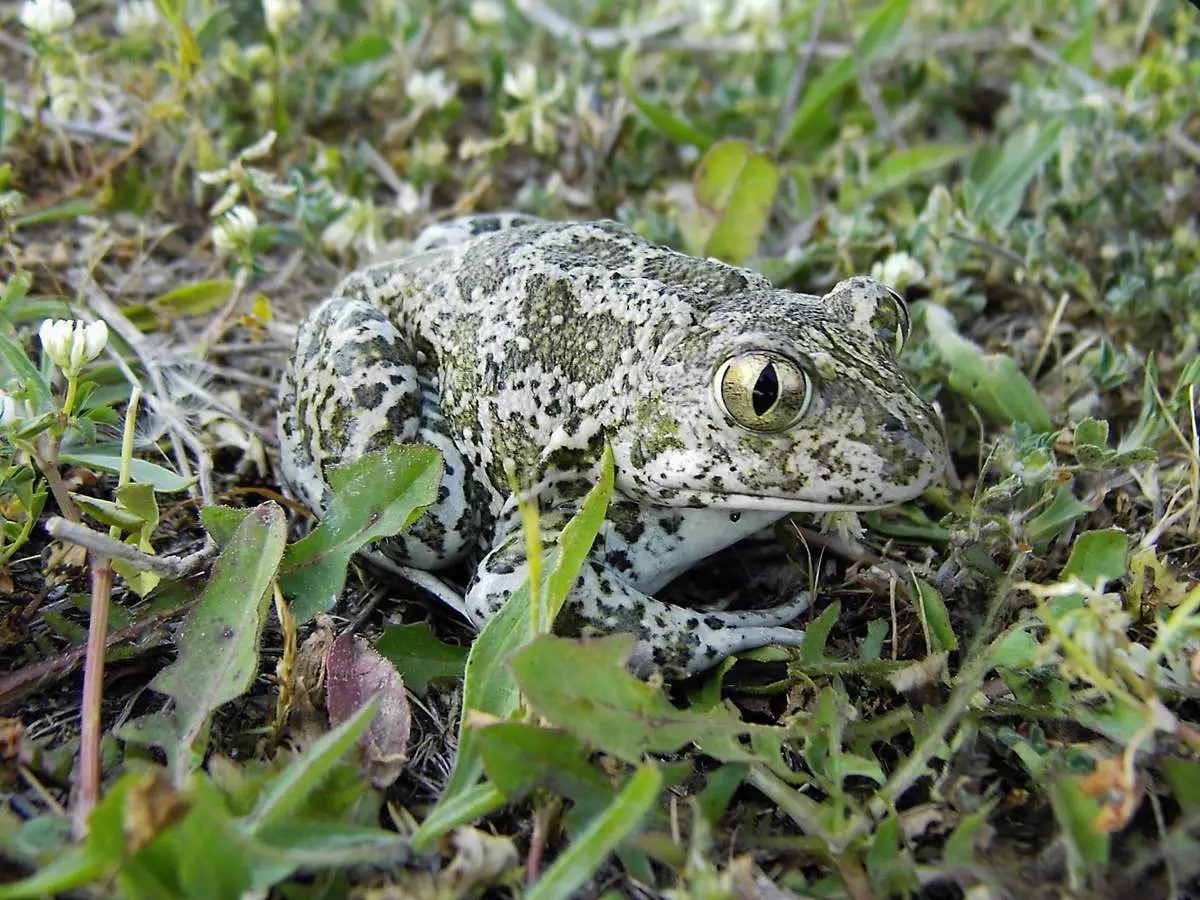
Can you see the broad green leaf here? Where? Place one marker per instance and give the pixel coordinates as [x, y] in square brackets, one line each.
[735, 188]
[218, 646]
[959, 852]
[465, 805]
[589, 850]
[991, 381]
[607, 707]
[1183, 775]
[902, 168]
[107, 458]
[420, 657]
[1097, 556]
[995, 187]
[374, 497]
[882, 29]
[519, 757]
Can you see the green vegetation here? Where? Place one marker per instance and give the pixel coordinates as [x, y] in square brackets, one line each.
[997, 690]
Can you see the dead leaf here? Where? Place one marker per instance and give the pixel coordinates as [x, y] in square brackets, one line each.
[479, 860]
[151, 806]
[355, 672]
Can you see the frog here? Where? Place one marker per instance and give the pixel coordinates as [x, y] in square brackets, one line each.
[521, 348]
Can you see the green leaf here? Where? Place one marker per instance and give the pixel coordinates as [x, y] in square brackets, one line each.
[519, 757]
[900, 169]
[17, 365]
[589, 850]
[16, 287]
[668, 122]
[735, 187]
[880, 31]
[218, 646]
[607, 707]
[812, 651]
[995, 187]
[487, 685]
[1097, 557]
[107, 458]
[420, 657]
[1183, 775]
[376, 496]
[306, 772]
[991, 381]
[67, 209]
[465, 805]
[367, 48]
[934, 616]
[1061, 511]
[195, 299]
[1077, 815]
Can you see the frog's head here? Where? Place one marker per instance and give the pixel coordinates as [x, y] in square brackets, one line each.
[783, 401]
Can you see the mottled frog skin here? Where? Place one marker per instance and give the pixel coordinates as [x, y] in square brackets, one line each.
[517, 345]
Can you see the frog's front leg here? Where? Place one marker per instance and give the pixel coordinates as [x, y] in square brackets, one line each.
[675, 640]
[353, 385]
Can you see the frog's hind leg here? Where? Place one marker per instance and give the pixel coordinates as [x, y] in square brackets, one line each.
[353, 386]
[674, 639]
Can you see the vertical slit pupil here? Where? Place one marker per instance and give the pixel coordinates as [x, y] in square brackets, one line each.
[766, 390]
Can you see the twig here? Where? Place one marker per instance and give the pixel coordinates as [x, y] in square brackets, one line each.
[93, 690]
[173, 567]
[17, 684]
[792, 95]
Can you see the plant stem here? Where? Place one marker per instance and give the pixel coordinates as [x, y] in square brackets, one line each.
[93, 687]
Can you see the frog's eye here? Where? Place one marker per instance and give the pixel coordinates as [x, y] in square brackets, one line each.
[891, 321]
[763, 391]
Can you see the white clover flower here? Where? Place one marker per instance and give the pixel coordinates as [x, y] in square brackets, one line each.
[430, 89]
[234, 230]
[521, 84]
[486, 12]
[47, 16]
[899, 271]
[72, 343]
[138, 18]
[12, 410]
[12, 203]
[431, 153]
[278, 13]
[408, 201]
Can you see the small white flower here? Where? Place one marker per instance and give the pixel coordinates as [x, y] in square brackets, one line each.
[234, 230]
[64, 94]
[259, 148]
[12, 411]
[408, 201]
[521, 84]
[899, 271]
[279, 12]
[431, 153]
[72, 343]
[487, 12]
[430, 89]
[138, 18]
[11, 203]
[47, 16]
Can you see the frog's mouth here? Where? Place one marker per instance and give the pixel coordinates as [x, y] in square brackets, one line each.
[676, 496]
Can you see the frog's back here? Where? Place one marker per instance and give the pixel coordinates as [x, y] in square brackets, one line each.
[546, 328]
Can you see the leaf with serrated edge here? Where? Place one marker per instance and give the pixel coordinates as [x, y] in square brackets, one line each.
[420, 657]
[610, 709]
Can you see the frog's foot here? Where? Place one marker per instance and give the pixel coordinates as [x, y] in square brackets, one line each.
[353, 386]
